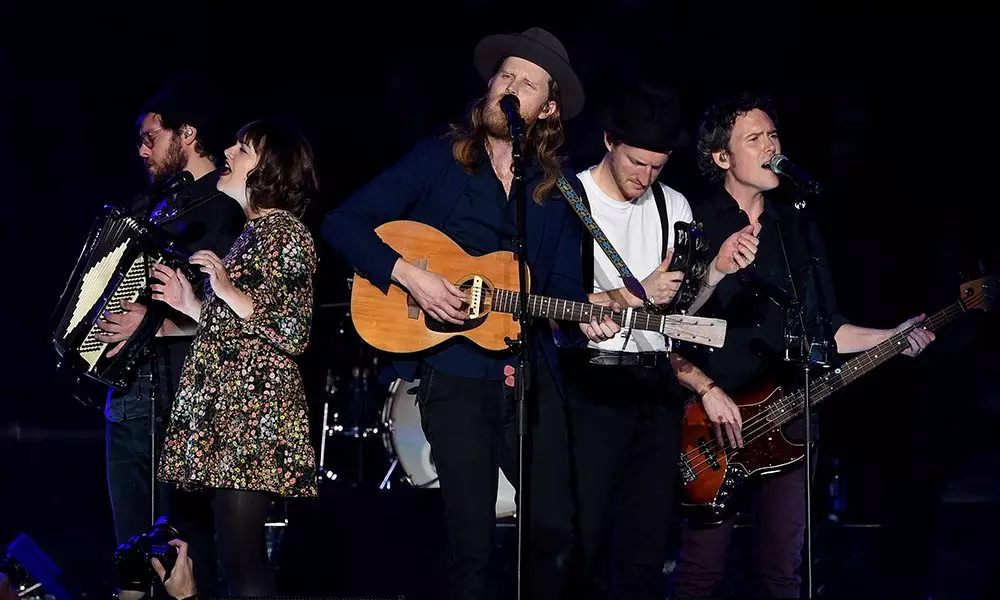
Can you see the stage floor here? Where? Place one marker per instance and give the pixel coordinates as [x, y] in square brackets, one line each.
[389, 543]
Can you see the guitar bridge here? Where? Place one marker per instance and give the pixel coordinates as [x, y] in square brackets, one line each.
[476, 297]
[687, 471]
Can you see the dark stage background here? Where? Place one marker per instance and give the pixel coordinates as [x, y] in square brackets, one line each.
[875, 106]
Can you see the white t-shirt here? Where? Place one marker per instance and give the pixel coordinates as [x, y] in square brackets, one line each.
[633, 228]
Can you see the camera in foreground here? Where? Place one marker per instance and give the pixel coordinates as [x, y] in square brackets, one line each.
[132, 560]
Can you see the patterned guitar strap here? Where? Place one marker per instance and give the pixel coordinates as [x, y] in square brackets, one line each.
[631, 283]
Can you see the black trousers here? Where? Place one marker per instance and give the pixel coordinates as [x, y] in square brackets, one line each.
[779, 511]
[471, 427]
[625, 435]
[129, 450]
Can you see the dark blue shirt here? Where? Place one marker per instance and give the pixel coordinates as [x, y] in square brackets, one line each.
[428, 185]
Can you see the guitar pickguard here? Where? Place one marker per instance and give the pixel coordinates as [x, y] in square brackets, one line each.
[723, 505]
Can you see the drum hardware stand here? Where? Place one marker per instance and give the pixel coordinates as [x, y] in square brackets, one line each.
[386, 484]
[358, 431]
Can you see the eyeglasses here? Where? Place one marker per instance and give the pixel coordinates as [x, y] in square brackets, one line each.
[147, 139]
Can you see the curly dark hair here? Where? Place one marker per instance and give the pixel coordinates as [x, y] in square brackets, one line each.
[285, 175]
[715, 130]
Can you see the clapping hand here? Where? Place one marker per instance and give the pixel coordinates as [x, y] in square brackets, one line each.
[738, 251]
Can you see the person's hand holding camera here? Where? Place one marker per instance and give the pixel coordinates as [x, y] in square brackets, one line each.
[7, 591]
[180, 584]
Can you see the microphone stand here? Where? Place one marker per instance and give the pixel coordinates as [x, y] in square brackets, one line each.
[523, 344]
[810, 353]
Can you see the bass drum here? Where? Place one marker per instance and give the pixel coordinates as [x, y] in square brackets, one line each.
[405, 441]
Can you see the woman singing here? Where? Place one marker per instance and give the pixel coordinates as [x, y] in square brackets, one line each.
[238, 427]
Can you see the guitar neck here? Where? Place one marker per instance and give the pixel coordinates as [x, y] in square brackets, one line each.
[820, 389]
[507, 301]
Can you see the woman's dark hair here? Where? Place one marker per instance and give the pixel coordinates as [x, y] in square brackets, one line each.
[716, 128]
[285, 175]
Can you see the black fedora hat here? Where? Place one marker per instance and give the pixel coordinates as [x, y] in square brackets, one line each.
[542, 48]
[647, 116]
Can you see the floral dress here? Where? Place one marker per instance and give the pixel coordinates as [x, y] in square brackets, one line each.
[239, 420]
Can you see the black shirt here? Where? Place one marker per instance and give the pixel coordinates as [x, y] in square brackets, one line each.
[757, 301]
[198, 217]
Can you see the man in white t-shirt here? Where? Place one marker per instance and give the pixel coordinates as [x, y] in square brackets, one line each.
[625, 402]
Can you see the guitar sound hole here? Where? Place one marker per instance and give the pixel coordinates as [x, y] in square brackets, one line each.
[467, 285]
[441, 327]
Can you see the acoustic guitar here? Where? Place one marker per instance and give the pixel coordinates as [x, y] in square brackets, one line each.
[393, 322]
[714, 476]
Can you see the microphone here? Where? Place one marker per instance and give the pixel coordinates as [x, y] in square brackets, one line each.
[780, 165]
[511, 108]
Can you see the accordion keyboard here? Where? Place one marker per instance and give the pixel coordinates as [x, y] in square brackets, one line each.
[97, 280]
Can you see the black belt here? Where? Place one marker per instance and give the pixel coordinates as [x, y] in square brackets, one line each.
[605, 358]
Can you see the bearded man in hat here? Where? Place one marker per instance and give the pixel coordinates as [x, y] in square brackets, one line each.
[461, 184]
[625, 400]
[178, 147]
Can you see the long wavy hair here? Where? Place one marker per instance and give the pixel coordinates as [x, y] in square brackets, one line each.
[544, 138]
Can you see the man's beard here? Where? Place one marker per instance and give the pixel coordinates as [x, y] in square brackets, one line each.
[172, 164]
[495, 122]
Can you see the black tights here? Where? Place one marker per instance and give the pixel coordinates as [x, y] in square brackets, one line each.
[239, 541]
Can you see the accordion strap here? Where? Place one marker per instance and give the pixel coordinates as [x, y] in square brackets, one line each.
[631, 283]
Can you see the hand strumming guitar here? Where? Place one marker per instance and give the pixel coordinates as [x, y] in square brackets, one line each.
[438, 297]
[661, 285]
[724, 414]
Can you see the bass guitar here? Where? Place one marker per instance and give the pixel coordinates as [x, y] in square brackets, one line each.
[393, 322]
[713, 476]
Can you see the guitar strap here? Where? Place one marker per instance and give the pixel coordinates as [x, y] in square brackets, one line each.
[631, 283]
[661, 207]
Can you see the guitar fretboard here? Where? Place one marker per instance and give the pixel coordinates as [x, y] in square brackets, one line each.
[794, 404]
[581, 312]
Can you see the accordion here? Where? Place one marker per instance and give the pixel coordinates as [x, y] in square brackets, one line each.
[113, 266]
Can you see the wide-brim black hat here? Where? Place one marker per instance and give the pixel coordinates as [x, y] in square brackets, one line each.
[542, 48]
[647, 116]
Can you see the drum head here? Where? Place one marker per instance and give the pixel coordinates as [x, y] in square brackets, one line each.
[406, 441]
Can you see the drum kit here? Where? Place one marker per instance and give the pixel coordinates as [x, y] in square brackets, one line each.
[372, 434]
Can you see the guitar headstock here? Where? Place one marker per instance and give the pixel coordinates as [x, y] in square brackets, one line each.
[697, 330]
[980, 293]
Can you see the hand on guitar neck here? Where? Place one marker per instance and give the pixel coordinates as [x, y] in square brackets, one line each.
[438, 297]
[443, 300]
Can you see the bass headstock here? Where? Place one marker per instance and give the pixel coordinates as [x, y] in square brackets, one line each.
[980, 294]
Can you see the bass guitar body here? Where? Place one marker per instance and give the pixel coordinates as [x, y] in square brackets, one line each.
[714, 477]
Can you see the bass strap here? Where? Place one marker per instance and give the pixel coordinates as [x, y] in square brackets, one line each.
[631, 283]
